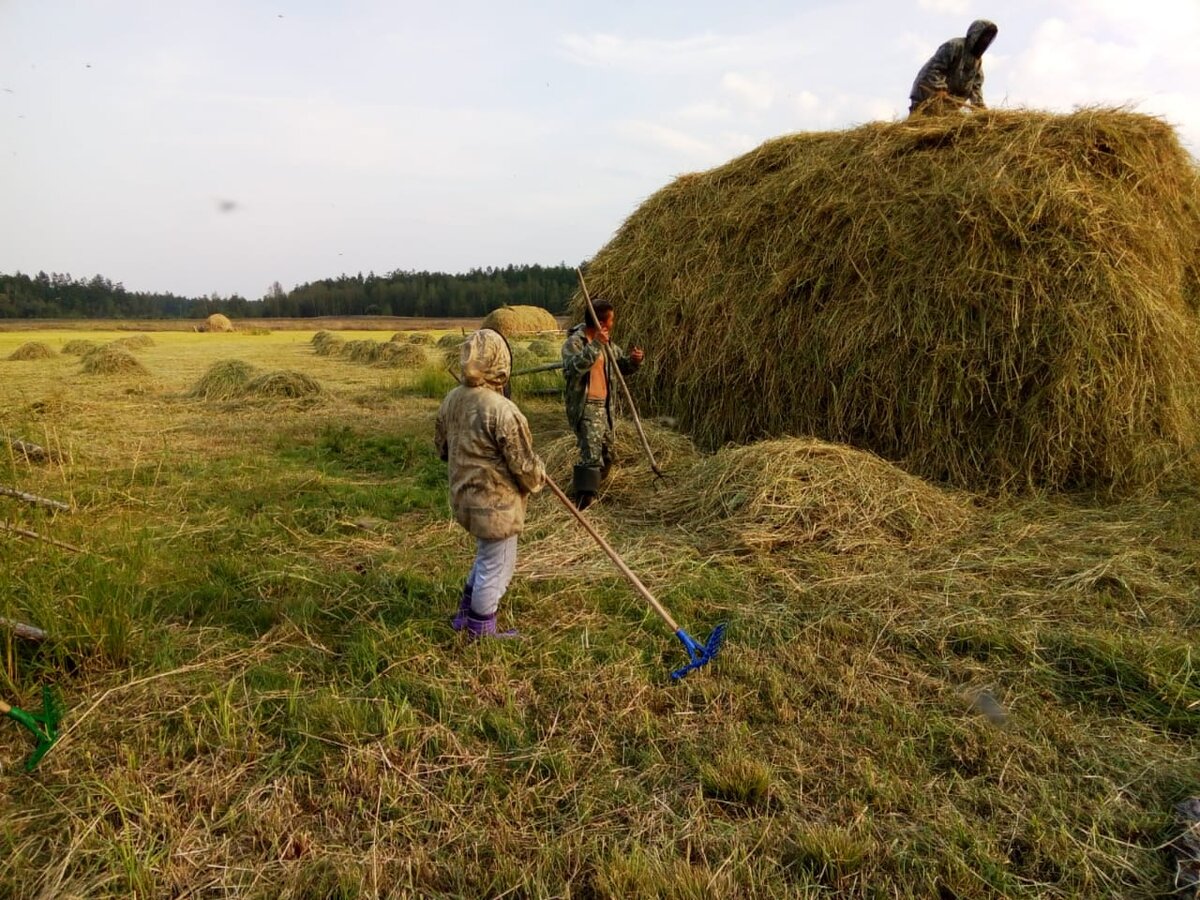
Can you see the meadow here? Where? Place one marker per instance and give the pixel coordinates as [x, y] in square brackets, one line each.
[265, 699]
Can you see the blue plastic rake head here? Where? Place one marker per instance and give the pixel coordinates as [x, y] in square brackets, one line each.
[699, 654]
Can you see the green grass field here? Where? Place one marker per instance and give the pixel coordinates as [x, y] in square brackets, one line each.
[265, 698]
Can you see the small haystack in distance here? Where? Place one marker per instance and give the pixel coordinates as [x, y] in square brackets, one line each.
[1002, 299]
[110, 360]
[31, 350]
[223, 380]
[326, 343]
[401, 356]
[511, 321]
[78, 347]
[283, 385]
[450, 341]
[216, 322]
[134, 342]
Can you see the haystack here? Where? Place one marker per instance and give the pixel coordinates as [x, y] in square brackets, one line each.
[111, 360]
[31, 350]
[217, 322]
[401, 356]
[326, 343]
[516, 320]
[78, 347]
[134, 342]
[450, 340]
[223, 380]
[1007, 298]
[282, 385]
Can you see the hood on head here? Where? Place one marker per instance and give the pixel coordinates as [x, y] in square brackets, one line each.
[485, 359]
[980, 36]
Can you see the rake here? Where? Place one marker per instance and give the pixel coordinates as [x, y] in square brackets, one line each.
[698, 654]
[44, 725]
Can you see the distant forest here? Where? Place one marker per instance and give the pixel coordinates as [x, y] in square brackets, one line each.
[433, 294]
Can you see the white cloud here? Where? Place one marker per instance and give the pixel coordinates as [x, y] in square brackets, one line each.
[649, 54]
[958, 7]
[661, 137]
[704, 112]
[755, 91]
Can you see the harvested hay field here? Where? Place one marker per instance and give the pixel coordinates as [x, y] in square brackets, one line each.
[31, 350]
[224, 380]
[512, 321]
[283, 386]
[135, 342]
[79, 346]
[1006, 300]
[111, 360]
[216, 323]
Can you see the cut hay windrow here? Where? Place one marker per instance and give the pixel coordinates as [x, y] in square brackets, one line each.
[31, 350]
[110, 360]
[224, 380]
[285, 385]
[511, 321]
[134, 342]
[1001, 300]
[78, 347]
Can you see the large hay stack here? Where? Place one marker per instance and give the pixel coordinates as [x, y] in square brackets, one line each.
[216, 323]
[511, 321]
[1006, 299]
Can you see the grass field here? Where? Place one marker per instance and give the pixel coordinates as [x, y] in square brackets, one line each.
[265, 698]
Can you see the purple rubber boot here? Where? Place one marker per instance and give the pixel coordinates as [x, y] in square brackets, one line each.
[464, 608]
[485, 626]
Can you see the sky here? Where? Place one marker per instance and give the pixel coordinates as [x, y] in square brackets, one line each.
[218, 146]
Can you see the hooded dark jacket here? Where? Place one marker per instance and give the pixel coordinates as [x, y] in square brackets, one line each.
[956, 68]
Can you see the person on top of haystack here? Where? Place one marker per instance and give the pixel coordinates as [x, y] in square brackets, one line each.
[493, 469]
[953, 77]
[589, 379]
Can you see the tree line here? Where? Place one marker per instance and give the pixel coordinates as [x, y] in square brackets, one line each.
[400, 293]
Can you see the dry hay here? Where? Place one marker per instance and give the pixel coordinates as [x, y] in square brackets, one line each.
[1002, 299]
[31, 350]
[111, 360]
[216, 322]
[283, 385]
[362, 351]
[511, 321]
[543, 349]
[224, 380]
[450, 341]
[134, 342]
[326, 343]
[404, 356]
[412, 337]
[78, 347]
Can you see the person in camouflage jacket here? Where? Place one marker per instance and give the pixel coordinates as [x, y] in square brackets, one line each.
[493, 470]
[955, 71]
[587, 370]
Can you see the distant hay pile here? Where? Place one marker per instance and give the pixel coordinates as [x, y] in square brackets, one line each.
[282, 386]
[217, 322]
[511, 321]
[412, 337]
[111, 360]
[31, 350]
[224, 380]
[373, 353]
[1005, 299]
[134, 342]
[78, 347]
[326, 343]
[403, 356]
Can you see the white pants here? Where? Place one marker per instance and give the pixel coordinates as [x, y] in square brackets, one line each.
[491, 573]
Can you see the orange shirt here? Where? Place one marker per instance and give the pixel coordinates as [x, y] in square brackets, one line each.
[597, 383]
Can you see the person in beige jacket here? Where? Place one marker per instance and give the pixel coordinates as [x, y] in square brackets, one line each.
[493, 470]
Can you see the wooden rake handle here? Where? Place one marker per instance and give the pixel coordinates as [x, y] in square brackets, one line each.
[612, 554]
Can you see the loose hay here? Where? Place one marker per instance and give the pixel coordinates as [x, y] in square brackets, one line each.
[134, 342]
[402, 356]
[412, 337]
[224, 380]
[31, 350]
[1005, 299]
[111, 360]
[517, 320]
[78, 347]
[217, 322]
[450, 341]
[283, 385]
[326, 343]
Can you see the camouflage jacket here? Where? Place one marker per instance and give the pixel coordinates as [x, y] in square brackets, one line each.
[578, 356]
[486, 441]
[956, 67]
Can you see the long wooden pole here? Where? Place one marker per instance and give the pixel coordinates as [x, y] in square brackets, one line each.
[637, 422]
[33, 498]
[33, 535]
[612, 554]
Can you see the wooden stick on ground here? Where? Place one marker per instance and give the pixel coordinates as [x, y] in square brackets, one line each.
[33, 535]
[33, 498]
[21, 630]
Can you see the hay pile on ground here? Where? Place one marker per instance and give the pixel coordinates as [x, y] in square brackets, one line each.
[78, 347]
[31, 350]
[326, 343]
[412, 337]
[216, 322]
[1000, 299]
[516, 320]
[400, 356]
[450, 340]
[285, 385]
[224, 380]
[111, 360]
[134, 342]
